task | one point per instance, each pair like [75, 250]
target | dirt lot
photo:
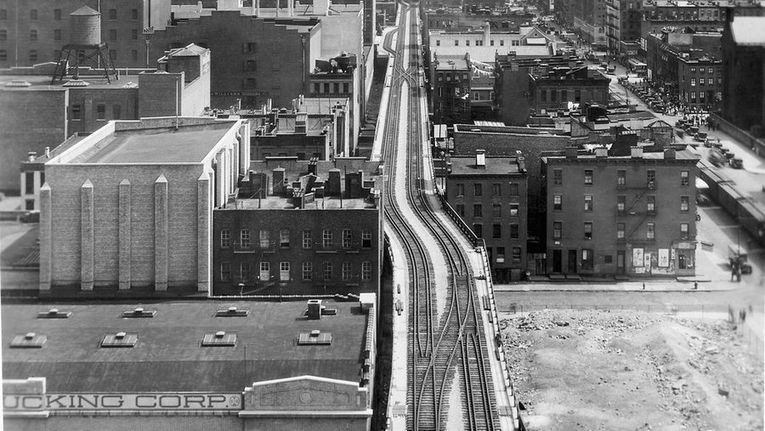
[599, 370]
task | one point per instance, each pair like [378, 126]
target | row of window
[327, 271]
[710, 70]
[621, 202]
[496, 189]
[516, 253]
[620, 227]
[77, 114]
[589, 95]
[621, 177]
[324, 88]
[34, 34]
[347, 239]
[703, 81]
[479, 42]
[496, 230]
[690, 96]
[496, 210]
[34, 14]
[34, 56]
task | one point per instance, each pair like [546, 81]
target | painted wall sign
[106, 401]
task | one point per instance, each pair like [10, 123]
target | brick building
[698, 16]
[554, 88]
[301, 228]
[253, 59]
[621, 215]
[450, 78]
[44, 115]
[490, 194]
[688, 65]
[743, 71]
[130, 206]
[623, 22]
[34, 31]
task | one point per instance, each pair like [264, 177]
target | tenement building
[629, 215]
[743, 72]
[301, 227]
[490, 195]
[130, 206]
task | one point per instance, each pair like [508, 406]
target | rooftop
[683, 155]
[488, 53]
[466, 165]
[42, 82]
[168, 355]
[445, 62]
[188, 144]
[748, 30]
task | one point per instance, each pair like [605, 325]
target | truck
[738, 257]
[716, 157]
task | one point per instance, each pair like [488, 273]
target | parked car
[30, 217]
[736, 163]
[700, 136]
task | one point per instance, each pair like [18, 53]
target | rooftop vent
[138, 312]
[76, 83]
[30, 340]
[315, 337]
[18, 83]
[120, 339]
[54, 313]
[219, 339]
[232, 312]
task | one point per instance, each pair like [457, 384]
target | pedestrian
[695, 285]
[643, 286]
[743, 315]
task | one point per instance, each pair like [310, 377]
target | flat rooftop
[168, 355]
[42, 82]
[188, 144]
[282, 202]
[494, 166]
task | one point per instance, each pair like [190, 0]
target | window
[250, 83]
[683, 230]
[134, 34]
[113, 54]
[347, 237]
[345, 272]
[514, 231]
[477, 210]
[366, 239]
[316, 87]
[557, 230]
[265, 239]
[244, 238]
[438, 42]
[650, 232]
[57, 14]
[620, 203]
[588, 203]
[496, 210]
[335, 87]
[307, 271]
[543, 95]
[516, 253]
[502, 42]
[587, 259]
[500, 254]
[29, 183]
[577, 95]
[3, 55]
[477, 189]
[284, 271]
[478, 230]
[326, 238]
[693, 82]
[345, 87]
[651, 178]
[225, 271]
[3, 14]
[514, 189]
[684, 179]
[133, 13]
[117, 111]
[32, 55]
[513, 210]
[250, 47]
[100, 112]
[134, 54]
[456, 42]
[33, 14]
[366, 270]
[496, 231]
[460, 208]
[4, 34]
[621, 178]
[112, 13]
[684, 203]
[587, 230]
[496, 189]
[307, 241]
[244, 271]
[701, 82]
[76, 112]
[564, 95]
[460, 190]
[327, 271]
[112, 34]
[284, 238]
[710, 71]
[225, 238]
[491, 42]
[620, 230]
[265, 271]
[467, 42]
[651, 204]
[557, 202]
[588, 177]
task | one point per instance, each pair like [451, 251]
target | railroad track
[444, 344]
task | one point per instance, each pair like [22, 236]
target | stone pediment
[305, 393]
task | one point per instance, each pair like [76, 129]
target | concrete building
[505, 21]
[631, 215]
[743, 47]
[490, 195]
[556, 88]
[130, 206]
[196, 365]
[44, 115]
[450, 78]
[301, 228]
[482, 44]
[688, 66]
[702, 16]
[34, 31]
[253, 59]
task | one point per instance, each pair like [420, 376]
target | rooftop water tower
[85, 48]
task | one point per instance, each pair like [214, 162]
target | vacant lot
[599, 370]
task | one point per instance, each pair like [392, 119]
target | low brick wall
[757, 145]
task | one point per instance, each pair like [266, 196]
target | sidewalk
[605, 285]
